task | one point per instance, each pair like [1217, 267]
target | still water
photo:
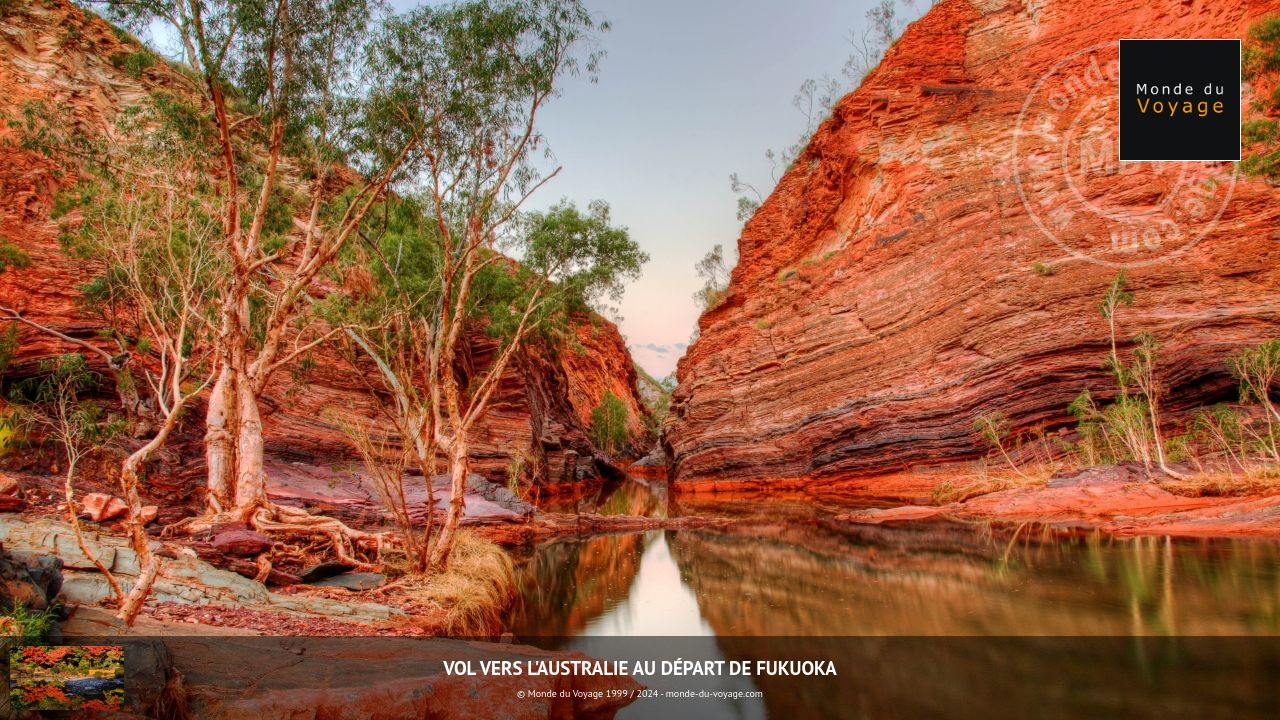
[789, 574]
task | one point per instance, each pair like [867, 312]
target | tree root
[271, 518]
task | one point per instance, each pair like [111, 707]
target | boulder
[499, 495]
[242, 543]
[354, 581]
[316, 573]
[149, 514]
[29, 579]
[8, 485]
[101, 507]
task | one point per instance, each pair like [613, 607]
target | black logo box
[1185, 64]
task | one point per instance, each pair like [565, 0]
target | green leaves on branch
[609, 424]
[584, 255]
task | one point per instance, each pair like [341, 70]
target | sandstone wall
[896, 284]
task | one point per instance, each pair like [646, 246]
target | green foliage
[1262, 57]
[1262, 49]
[1221, 428]
[583, 255]
[1257, 369]
[656, 395]
[993, 427]
[135, 63]
[12, 256]
[1044, 269]
[1129, 427]
[56, 399]
[29, 625]
[609, 424]
[1260, 130]
[184, 122]
[8, 346]
[63, 374]
[571, 260]
[1115, 296]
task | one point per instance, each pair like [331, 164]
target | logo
[1078, 192]
[1180, 100]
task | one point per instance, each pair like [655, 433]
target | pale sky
[689, 92]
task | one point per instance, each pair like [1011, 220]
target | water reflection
[787, 583]
[628, 496]
[793, 576]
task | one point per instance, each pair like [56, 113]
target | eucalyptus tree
[152, 238]
[477, 76]
[283, 84]
[55, 402]
[144, 227]
[569, 260]
[442, 100]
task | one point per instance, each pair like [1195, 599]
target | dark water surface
[788, 575]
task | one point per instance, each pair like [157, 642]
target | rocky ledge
[1120, 500]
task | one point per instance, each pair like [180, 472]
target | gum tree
[281, 84]
[477, 75]
[568, 259]
[144, 227]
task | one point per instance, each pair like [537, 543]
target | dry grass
[470, 597]
[1258, 480]
[985, 481]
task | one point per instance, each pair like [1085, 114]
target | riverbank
[1117, 499]
[475, 596]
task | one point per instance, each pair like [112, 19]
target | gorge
[980, 407]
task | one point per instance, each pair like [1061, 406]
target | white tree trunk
[251, 486]
[459, 468]
[220, 442]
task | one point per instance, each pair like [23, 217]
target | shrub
[994, 429]
[134, 63]
[1257, 369]
[12, 256]
[1043, 269]
[609, 424]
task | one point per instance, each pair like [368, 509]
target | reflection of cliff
[890, 583]
[567, 584]
[628, 496]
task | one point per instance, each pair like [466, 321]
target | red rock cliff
[53, 52]
[924, 261]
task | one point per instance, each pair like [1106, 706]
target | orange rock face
[939, 250]
[52, 52]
